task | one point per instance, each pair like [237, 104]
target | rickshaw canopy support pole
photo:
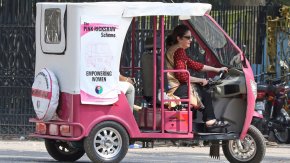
[154, 70]
[133, 48]
[162, 73]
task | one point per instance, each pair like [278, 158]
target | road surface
[12, 151]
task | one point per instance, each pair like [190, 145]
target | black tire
[99, 145]
[256, 149]
[282, 135]
[288, 140]
[62, 151]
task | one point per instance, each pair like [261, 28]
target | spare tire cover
[45, 94]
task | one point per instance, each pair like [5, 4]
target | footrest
[216, 136]
[218, 130]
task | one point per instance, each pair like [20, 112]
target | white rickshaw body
[76, 94]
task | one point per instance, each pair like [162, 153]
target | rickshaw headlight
[254, 88]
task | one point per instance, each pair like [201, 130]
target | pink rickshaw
[80, 109]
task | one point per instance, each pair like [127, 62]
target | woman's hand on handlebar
[203, 82]
[222, 69]
[200, 81]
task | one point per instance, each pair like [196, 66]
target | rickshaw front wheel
[107, 142]
[250, 150]
[62, 151]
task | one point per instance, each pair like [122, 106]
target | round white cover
[45, 94]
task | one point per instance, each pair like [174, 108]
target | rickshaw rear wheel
[107, 142]
[62, 151]
[251, 150]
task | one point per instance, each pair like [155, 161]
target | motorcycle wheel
[282, 135]
[251, 149]
[288, 140]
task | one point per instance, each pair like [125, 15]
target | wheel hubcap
[64, 148]
[107, 142]
[243, 150]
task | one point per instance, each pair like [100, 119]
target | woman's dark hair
[179, 31]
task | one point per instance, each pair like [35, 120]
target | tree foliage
[285, 2]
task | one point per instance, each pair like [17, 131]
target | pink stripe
[41, 93]
[90, 98]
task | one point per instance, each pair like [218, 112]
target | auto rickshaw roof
[171, 9]
[134, 9]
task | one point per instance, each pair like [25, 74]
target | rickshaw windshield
[222, 47]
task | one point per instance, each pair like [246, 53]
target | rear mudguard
[258, 115]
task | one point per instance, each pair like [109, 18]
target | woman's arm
[126, 79]
[201, 81]
[213, 69]
[122, 78]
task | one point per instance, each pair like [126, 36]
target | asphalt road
[35, 152]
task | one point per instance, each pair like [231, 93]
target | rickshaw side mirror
[244, 49]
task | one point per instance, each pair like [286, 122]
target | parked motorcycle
[271, 101]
